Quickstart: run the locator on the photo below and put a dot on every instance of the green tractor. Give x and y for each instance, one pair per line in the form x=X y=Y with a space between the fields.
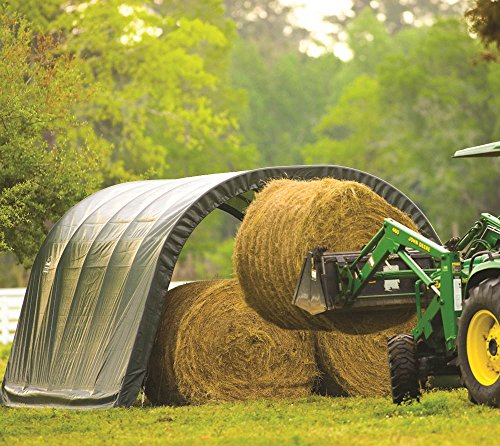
x=455 y=288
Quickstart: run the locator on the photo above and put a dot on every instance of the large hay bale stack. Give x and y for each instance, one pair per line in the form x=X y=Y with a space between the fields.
x=212 y=346
x=357 y=363
x=289 y=218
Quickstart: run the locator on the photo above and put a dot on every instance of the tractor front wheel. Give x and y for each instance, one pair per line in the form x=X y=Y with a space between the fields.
x=403 y=366
x=478 y=343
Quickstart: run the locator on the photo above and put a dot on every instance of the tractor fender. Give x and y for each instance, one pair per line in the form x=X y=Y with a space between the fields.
x=485 y=270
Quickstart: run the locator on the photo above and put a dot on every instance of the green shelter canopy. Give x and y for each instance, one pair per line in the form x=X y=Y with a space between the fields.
x=97 y=287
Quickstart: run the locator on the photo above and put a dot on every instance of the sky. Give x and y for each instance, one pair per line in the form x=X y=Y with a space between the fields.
x=309 y=14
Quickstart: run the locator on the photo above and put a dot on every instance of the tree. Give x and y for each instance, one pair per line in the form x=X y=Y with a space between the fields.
x=39 y=14
x=400 y=14
x=484 y=19
x=157 y=74
x=445 y=101
x=162 y=104
x=351 y=132
x=162 y=98
x=424 y=99
x=48 y=158
x=370 y=42
x=266 y=24
x=284 y=100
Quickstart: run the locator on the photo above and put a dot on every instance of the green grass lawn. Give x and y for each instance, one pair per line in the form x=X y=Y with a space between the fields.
x=442 y=418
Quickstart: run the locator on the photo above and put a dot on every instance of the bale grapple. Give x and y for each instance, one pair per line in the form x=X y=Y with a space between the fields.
x=454 y=288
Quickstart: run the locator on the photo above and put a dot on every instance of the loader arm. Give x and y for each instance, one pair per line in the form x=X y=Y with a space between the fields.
x=445 y=281
x=429 y=275
x=392 y=238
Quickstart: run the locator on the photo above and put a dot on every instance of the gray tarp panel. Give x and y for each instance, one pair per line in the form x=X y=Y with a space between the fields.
x=96 y=290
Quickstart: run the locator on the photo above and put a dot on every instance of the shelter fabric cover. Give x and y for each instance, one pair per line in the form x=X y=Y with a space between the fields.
x=97 y=286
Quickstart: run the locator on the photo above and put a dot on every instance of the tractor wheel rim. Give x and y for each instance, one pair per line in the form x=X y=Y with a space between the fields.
x=483 y=338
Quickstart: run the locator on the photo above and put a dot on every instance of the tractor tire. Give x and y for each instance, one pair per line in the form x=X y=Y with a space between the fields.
x=478 y=343
x=403 y=366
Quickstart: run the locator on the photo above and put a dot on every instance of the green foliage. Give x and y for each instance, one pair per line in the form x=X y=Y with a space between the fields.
x=162 y=98
x=4 y=357
x=208 y=251
x=12 y=274
x=405 y=113
x=352 y=129
x=285 y=100
x=220 y=259
x=48 y=159
x=40 y=14
x=155 y=84
x=401 y=14
x=161 y=104
x=369 y=40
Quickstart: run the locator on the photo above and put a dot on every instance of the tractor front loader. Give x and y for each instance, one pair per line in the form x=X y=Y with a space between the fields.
x=455 y=289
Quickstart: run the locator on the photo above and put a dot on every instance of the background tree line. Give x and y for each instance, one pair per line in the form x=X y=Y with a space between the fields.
x=98 y=92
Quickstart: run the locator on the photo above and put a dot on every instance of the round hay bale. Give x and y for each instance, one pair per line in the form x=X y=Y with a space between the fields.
x=161 y=383
x=287 y=219
x=357 y=363
x=215 y=347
